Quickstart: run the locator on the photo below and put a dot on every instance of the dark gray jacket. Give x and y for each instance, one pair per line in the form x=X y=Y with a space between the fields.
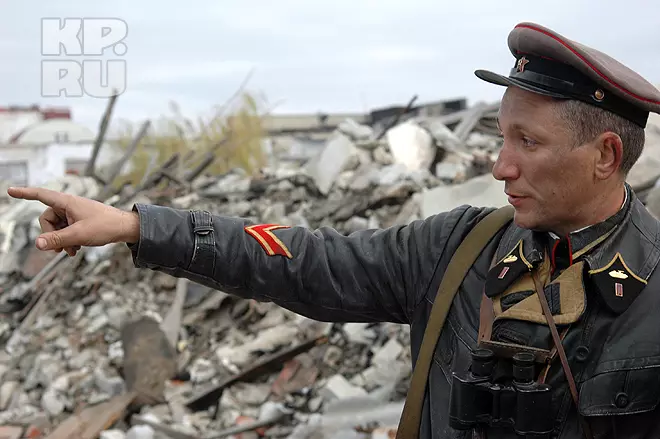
x=393 y=275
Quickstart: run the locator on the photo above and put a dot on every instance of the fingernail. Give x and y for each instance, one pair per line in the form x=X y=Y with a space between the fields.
x=41 y=243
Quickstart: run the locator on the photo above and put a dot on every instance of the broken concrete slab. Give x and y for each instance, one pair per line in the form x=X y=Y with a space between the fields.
x=411 y=145
x=337 y=152
x=11 y=432
x=648 y=165
x=470 y=120
x=653 y=202
x=338 y=387
x=355 y=130
x=483 y=191
x=443 y=137
x=451 y=172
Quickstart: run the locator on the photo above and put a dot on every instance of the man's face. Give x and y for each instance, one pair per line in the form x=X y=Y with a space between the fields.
x=547 y=179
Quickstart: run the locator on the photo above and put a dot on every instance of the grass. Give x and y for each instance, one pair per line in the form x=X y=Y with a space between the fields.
x=240 y=120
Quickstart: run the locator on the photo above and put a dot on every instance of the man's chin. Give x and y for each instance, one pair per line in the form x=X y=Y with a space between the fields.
x=525 y=219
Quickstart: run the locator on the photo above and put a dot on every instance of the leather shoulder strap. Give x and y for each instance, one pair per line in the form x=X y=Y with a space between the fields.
x=458 y=267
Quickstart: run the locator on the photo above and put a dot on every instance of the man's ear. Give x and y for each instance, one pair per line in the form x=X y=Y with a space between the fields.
x=609 y=154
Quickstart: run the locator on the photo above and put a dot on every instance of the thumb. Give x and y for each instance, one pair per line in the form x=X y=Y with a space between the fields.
x=67 y=237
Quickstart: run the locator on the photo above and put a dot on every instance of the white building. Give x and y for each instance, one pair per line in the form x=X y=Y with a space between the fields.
x=40 y=145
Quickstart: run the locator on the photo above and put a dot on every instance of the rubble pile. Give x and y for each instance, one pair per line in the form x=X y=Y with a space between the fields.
x=418 y=168
x=365 y=180
x=96 y=348
x=238 y=364
x=237 y=361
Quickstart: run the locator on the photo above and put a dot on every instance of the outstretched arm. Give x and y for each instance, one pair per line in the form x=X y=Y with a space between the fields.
x=370 y=275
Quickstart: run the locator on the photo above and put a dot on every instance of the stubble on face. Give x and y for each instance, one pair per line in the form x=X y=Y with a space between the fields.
x=540 y=162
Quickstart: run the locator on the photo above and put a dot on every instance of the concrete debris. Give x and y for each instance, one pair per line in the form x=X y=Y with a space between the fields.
x=235 y=367
x=646 y=171
x=480 y=191
x=411 y=145
x=334 y=158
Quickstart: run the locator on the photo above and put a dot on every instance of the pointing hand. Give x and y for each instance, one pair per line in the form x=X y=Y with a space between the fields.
x=70 y=221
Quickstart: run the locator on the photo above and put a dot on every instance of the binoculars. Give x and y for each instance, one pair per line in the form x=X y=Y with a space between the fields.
x=521 y=404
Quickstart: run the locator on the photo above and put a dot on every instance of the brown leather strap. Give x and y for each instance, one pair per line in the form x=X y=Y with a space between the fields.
x=458 y=267
x=560 y=350
x=486 y=318
x=502 y=349
x=553 y=353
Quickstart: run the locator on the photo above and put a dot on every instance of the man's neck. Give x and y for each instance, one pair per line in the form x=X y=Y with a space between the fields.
x=602 y=208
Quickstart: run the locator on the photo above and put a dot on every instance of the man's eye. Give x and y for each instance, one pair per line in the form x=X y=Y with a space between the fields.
x=528 y=142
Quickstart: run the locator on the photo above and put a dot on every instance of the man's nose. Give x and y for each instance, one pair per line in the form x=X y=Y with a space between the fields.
x=505 y=167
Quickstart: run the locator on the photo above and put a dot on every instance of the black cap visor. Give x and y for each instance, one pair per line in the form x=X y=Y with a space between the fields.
x=562 y=81
x=495 y=78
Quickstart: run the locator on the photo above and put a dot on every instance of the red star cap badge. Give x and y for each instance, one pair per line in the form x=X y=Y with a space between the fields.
x=522 y=62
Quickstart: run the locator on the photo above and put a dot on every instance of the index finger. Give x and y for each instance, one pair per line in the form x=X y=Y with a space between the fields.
x=48 y=197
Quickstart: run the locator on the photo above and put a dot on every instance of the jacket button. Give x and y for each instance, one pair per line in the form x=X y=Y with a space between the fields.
x=581 y=353
x=621 y=400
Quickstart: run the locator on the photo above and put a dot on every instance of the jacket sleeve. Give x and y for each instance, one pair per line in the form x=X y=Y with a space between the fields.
x=367 y=276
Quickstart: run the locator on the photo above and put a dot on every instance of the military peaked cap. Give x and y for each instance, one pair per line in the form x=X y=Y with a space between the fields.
x=552 y=65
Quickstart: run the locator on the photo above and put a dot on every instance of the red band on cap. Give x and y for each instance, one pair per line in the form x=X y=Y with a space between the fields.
x=602 y=75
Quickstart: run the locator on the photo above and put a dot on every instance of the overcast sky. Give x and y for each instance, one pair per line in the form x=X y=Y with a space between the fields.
x=312 y=55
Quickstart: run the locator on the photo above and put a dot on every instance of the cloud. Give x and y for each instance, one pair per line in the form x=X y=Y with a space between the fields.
x=165 y=74
x=340 y=55
x=400 y=54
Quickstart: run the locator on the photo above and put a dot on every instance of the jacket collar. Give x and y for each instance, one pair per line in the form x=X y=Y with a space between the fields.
x=583 y=240
x=620 y=253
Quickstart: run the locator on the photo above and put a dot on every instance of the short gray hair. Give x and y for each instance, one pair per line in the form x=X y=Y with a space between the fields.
x=586 y=122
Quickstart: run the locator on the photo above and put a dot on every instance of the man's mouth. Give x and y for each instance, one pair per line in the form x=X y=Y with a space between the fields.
x=515 y=199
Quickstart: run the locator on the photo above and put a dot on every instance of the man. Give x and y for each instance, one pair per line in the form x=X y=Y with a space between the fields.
x=572 y=121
